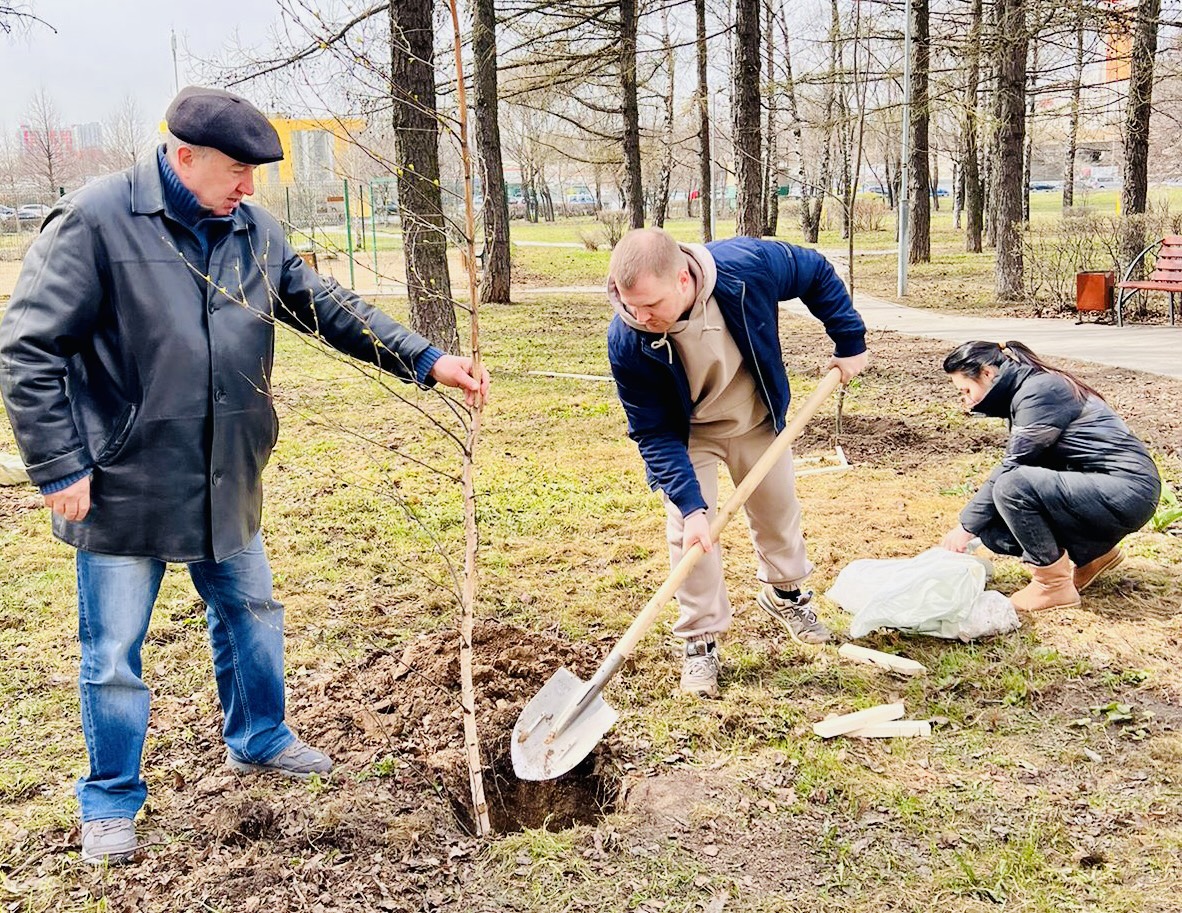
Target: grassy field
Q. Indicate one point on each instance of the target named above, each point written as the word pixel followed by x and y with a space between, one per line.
pixel 1052 782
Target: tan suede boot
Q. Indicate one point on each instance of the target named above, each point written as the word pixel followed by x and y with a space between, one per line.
pixel 1050 587
pixel 1086 573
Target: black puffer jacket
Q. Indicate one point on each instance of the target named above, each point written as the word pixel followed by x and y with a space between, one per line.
pixel 117 355
pixel 1051 427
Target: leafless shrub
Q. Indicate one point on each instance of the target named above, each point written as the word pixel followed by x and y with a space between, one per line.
pixel 614 223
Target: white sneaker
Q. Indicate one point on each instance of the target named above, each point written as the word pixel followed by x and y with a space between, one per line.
pixel 111 840
pixel 699 672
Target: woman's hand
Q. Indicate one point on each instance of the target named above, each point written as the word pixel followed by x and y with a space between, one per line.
pixel 957 539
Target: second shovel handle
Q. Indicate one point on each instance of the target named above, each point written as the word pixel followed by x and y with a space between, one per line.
pixel 830 382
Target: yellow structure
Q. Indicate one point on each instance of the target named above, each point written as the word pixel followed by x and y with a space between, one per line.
pixel 313 149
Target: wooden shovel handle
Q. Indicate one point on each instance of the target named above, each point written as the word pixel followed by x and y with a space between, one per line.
pixel 759 471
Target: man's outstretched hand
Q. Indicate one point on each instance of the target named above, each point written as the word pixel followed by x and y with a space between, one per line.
pixel 456 371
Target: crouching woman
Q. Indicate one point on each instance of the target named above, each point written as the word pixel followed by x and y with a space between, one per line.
pixel 1074 480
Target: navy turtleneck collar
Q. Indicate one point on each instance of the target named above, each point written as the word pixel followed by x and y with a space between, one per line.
pixel 180 199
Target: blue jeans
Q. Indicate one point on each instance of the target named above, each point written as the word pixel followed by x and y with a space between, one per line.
pixel 115 599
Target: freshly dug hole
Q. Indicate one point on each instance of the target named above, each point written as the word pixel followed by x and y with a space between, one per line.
pixel 408 708
pixel 582 796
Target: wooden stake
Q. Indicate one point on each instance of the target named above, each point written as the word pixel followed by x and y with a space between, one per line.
pixel 900 664
pixel 840 725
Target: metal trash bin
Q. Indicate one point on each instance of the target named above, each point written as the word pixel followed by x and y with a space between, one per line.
pixel 1094 291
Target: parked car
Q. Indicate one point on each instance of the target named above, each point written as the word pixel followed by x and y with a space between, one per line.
pixel 1038 186
pixel 31 212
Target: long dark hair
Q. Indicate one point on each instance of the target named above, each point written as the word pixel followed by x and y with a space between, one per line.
pixel 970 357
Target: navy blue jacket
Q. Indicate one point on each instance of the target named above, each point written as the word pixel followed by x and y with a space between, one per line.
pixel 754 276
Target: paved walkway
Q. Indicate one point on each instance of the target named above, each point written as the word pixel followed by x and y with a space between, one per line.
pixel 1156 349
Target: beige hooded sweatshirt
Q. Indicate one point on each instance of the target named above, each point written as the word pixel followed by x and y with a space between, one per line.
pixel 726 403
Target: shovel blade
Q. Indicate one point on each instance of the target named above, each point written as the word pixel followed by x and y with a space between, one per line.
pixel 540 753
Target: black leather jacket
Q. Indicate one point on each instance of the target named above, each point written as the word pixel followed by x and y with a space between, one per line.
pixel 1052 427
pixel 116 355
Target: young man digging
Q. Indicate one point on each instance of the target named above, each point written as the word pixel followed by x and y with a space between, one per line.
pixel 695 352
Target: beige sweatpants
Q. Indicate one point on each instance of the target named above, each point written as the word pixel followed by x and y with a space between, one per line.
pixel 773 517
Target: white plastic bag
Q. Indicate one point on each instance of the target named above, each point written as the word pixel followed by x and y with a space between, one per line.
pixel 12 470
pixel 992 613
pixel 933 593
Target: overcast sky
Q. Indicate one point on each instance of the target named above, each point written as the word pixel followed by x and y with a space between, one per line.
pixel 105 49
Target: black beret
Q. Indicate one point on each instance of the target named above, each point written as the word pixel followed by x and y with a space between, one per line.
pixel 224 121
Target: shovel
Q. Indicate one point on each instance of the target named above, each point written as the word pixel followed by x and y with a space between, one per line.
pixel 568 717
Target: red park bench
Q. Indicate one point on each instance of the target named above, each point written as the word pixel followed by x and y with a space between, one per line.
pixel 1166 275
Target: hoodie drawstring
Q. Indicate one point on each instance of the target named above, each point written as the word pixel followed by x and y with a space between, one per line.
pixel 663 342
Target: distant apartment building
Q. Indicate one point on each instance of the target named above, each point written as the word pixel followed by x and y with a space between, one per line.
pixel 314 150
pixel 34 141
pixel 88 136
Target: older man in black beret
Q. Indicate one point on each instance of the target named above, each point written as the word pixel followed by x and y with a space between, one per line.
pixel 135 360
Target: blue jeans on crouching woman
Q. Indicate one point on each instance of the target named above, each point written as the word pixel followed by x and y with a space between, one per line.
pixel 115 599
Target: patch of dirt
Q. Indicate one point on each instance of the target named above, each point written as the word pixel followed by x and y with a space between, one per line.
pixel 894 430
pixel 391 829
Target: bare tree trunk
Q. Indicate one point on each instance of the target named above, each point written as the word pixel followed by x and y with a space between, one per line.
pixel 771 171
pixel 747 134
pixel 1135 194
pixel 1028 157
pixel 1073 127
pixel 420 204
pixel 992 155
pixel 794 118
pixel 705 165
pixel 974 197
pixel 921 199
pixel 957 193
pixel 661 204
pixel 1011 87
pixel 633 176
pixel 935 182
pixel 813 198
pixel 844 139
pixel 495 280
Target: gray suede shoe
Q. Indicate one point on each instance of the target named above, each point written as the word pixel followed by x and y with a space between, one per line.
pixel 111 841
pixel 299 759
pixel 796 615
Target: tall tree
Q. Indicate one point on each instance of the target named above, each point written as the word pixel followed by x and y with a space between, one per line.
pixel 1028 155
pixel 495 281
pixel 1135 192
pixel 1012 45
pixel 48 150
pixel 124 136
pixel 812 193
pixel 633 180
pixel 920 250
pixel 747 132
pixel 420 203
pixel 771 169
pixel 1073 123
pixel 705 165
pixel 665 174
pixel 793 111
